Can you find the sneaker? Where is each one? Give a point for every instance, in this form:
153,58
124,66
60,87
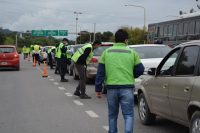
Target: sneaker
84,96
64,80
77,93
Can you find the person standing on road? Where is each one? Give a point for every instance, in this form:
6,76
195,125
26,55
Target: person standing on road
57,70
118,68
62,59
36,50
81,58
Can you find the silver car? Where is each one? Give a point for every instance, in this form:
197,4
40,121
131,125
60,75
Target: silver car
172,90
151,55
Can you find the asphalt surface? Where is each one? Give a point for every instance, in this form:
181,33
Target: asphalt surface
32,104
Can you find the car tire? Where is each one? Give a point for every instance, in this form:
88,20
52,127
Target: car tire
75,77
146,117
195,122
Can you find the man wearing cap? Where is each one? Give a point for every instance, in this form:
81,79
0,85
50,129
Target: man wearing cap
81,58
62,60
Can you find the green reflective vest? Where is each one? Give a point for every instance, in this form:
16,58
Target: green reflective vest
24,49
119,62
36,48
59,53
80,51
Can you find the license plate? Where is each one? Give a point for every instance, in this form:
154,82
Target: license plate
4,63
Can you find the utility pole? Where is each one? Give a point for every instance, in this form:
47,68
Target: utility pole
94,31
76,13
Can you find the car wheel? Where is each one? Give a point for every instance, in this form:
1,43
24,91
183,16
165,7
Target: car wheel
145,115
195,122
74,75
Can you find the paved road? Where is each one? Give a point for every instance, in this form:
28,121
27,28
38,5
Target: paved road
32,104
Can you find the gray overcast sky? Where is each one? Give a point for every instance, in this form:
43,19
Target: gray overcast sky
109,15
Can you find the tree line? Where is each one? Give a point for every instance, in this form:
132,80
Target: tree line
136,36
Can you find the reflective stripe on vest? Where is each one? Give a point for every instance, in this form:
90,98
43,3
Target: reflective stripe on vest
80,51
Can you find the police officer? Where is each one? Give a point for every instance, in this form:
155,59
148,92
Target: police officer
62,59
57,70
118,67
51,52
36,50
81,58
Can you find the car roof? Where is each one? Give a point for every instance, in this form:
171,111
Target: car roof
196,42
7,46
146,45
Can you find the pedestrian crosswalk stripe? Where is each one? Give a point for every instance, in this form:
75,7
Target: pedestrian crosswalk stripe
55,83
68,94
61,88
51,79
92,114
78,103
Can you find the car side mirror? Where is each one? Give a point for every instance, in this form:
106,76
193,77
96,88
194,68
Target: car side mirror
152,71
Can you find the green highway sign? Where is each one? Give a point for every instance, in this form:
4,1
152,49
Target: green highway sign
49,32
63,32
38,33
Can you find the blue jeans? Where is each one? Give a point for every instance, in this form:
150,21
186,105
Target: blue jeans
124,98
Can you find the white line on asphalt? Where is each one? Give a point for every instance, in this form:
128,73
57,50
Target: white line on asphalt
55,83
61,88
92,114
78,103
106,128
49,76
51,79
68,94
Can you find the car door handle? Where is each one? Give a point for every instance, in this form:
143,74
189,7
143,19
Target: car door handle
165,86
187,89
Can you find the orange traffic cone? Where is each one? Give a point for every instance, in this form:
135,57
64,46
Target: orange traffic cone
44,75
34,62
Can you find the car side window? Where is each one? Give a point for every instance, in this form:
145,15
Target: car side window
188,60
167,67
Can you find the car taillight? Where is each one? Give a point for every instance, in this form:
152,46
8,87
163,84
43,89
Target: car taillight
16,55
94,60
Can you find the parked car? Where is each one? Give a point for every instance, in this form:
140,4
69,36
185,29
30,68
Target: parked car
151,55
92,67
9,57
43,53
172,90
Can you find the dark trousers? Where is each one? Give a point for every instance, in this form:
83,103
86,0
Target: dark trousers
63,67
50,60
37,58
82,77
57,70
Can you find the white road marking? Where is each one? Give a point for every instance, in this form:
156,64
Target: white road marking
78,103
49,76
92,114
61,88
106,128
55,83
51,79
68,94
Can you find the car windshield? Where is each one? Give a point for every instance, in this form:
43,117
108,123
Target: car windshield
6,49
98,51
146,52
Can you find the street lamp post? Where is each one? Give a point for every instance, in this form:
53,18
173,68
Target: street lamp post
77,13
144,13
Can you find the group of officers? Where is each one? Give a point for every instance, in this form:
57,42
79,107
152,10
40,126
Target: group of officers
117,70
